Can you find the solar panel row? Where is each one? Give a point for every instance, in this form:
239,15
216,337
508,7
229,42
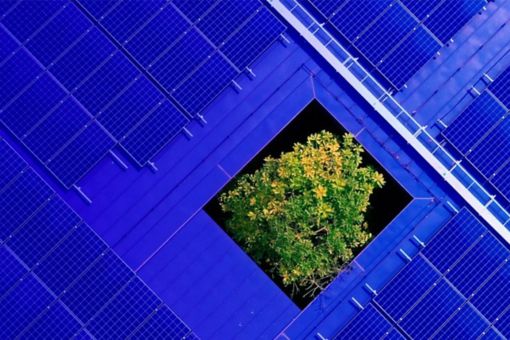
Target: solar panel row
448,291
398,37
58,277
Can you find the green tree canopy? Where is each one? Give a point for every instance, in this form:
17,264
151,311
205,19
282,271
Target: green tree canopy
301,216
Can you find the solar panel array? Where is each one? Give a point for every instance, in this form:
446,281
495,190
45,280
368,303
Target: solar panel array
398,37
481,133
79,78
456,287
58,277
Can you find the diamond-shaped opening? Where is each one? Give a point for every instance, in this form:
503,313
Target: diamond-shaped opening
385,203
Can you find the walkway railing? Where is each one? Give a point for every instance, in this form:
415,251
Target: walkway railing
383,102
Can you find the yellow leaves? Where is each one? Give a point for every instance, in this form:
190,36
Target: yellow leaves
252,215
379,179
253,201
320,192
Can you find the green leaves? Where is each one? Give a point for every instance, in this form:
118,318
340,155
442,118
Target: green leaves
302,215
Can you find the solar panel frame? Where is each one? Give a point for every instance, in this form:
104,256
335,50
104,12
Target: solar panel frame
9,44
367,324
11,270
162,324
466,324
11,165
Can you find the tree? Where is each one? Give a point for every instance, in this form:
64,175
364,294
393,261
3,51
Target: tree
301,216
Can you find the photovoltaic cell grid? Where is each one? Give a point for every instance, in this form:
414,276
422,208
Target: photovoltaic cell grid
398,37
457,286
58,277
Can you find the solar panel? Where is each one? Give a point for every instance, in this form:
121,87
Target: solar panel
421,8
492,334
157,35
123,20
21,306
6,5
38,11
20,200
193,9
409,57
81,154
367,324
58,34
462,231
502,181
125,312
472,124
56,129
15,74
478,264
97,8
155,131
70,259
164,324
205,84
10,164
43,231
327,7
97,286
493,151
130,107
55,322
253,38
355,16
494,296
30,107
11,270
451,15
500,87
109,80
82,58
225,18
8,45
386,32
432,311
406,288
503,324
178,62
466,324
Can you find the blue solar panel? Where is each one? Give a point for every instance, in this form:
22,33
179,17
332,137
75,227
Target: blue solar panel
405,289
130,107
164,324
81,154
55,323
38,12
205,84
125,312
83,58
502,181
478,264
493,151
472,124
355,16
109,80
8,44
181,60
503,324
97,8
6,5
327,7
70,258
501,87
58,34
21,306
492,334
43,231
97,286
385,33
462,231
451,15
56,129
10,164
421,8
157,35
466,324
367,324
494,296
253,38
225,18
409,57
20,200
11,270
394,335
154,132
15,74
123,20
432,311
193,9
82,335
32,105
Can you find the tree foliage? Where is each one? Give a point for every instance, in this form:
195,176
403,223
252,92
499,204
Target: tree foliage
301,216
